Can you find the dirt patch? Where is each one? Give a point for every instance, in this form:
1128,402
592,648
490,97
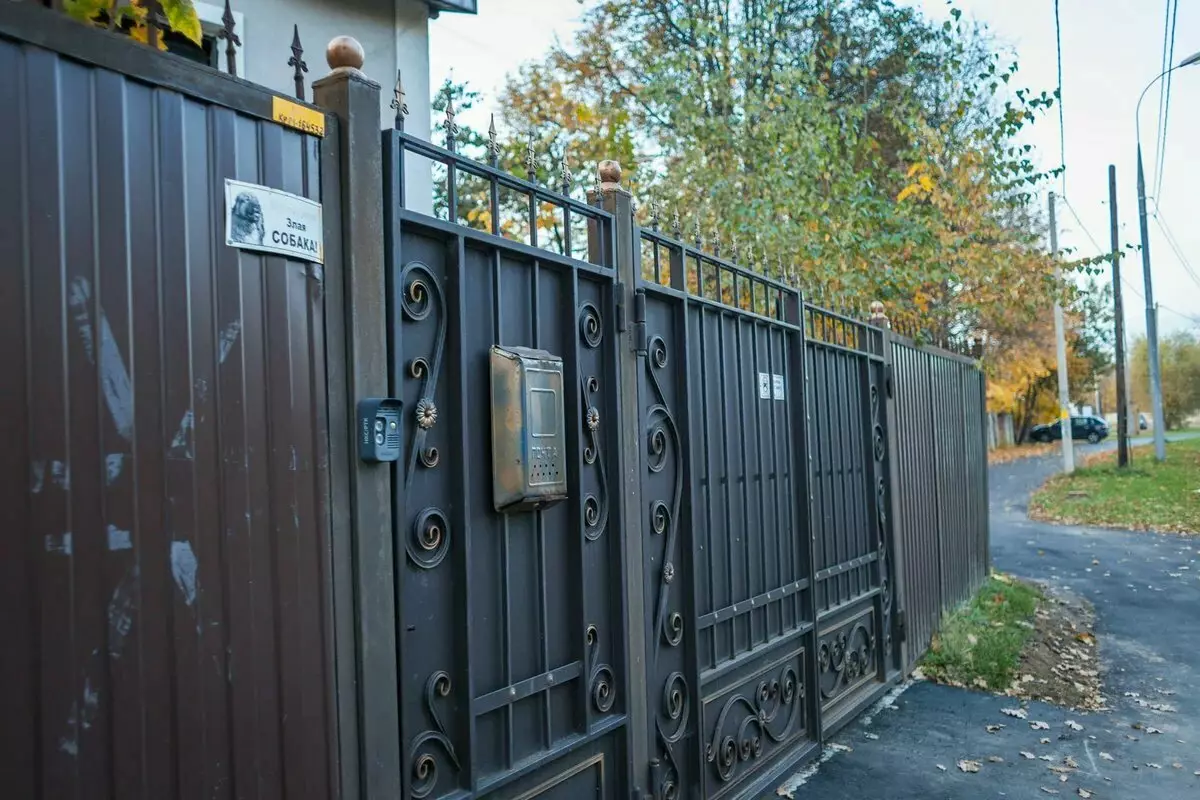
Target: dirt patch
1060,663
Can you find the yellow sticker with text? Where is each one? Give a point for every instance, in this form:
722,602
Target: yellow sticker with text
290,113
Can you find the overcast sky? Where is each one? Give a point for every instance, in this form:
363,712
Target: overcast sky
1111,50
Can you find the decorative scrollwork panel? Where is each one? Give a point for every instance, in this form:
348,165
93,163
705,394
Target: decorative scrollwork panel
422,298
744,727
847,657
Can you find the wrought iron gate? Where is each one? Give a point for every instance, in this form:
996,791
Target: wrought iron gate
694,634
511,642
847,387
727,564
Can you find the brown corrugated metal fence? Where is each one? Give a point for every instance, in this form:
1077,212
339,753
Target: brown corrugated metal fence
941,484
163,477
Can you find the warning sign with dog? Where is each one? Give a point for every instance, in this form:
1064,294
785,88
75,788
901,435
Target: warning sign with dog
272,221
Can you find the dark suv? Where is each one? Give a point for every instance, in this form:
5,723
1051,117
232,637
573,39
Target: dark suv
1091,428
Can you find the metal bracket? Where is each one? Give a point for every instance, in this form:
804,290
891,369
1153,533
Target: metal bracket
901,625
889,381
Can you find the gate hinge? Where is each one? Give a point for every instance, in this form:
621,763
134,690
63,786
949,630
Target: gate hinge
889,380
901,626
619,305
639,321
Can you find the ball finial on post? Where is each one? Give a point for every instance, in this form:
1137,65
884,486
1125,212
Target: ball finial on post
879,316
610,172
344,53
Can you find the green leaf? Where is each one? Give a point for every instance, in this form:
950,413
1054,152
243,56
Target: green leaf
182,17
85,10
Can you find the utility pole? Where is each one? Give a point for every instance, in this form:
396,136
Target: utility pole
1119,314
1064,391
1160,439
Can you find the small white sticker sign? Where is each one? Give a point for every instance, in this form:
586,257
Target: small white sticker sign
764,386
272,221
777,386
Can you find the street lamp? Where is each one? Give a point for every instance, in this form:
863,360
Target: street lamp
1160,441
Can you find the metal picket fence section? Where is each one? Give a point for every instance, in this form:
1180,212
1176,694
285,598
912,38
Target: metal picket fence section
941,484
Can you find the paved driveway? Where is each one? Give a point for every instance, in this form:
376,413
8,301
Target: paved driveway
1146,589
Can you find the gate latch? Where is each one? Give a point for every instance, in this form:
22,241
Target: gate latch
901,626
889,382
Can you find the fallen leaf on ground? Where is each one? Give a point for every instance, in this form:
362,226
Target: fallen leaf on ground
1070,762
1049,791
1153,766
942,767
1043,740
1152,730
1027,754
1177,765
871,736
1073,725
1019,713
968,766
1106,756
1037,725
1046,758
994,728
1084,793
996,759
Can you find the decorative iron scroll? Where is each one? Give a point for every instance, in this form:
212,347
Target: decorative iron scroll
845,657
430,540
881,519
602,684
595,508
663,442
422,294
737,736
670,723
423,754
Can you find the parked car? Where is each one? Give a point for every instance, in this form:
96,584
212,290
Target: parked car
1091,428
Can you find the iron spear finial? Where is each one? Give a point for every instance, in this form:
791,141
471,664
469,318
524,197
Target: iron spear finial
530,158
232,40
493,146
398,104
450,125
564,174
297,62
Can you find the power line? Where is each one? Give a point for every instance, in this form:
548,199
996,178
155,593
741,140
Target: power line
1173,243
1062,133
1161,151
1125,279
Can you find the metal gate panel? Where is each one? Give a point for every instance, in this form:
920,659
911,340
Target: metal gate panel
511,637
849,477
727,565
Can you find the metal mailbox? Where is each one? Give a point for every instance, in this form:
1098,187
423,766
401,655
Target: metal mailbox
529,468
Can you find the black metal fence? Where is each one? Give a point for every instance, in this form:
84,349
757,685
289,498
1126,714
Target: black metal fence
703,628
767,504
941,484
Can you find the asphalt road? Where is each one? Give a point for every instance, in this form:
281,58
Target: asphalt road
1146,589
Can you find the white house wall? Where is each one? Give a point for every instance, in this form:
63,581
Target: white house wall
393,33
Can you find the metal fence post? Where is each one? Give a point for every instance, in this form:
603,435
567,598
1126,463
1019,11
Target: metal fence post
895,505
618,201
369,726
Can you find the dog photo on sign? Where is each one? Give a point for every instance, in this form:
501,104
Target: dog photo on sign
247,219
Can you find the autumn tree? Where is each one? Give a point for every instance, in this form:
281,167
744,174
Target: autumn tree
1179,359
